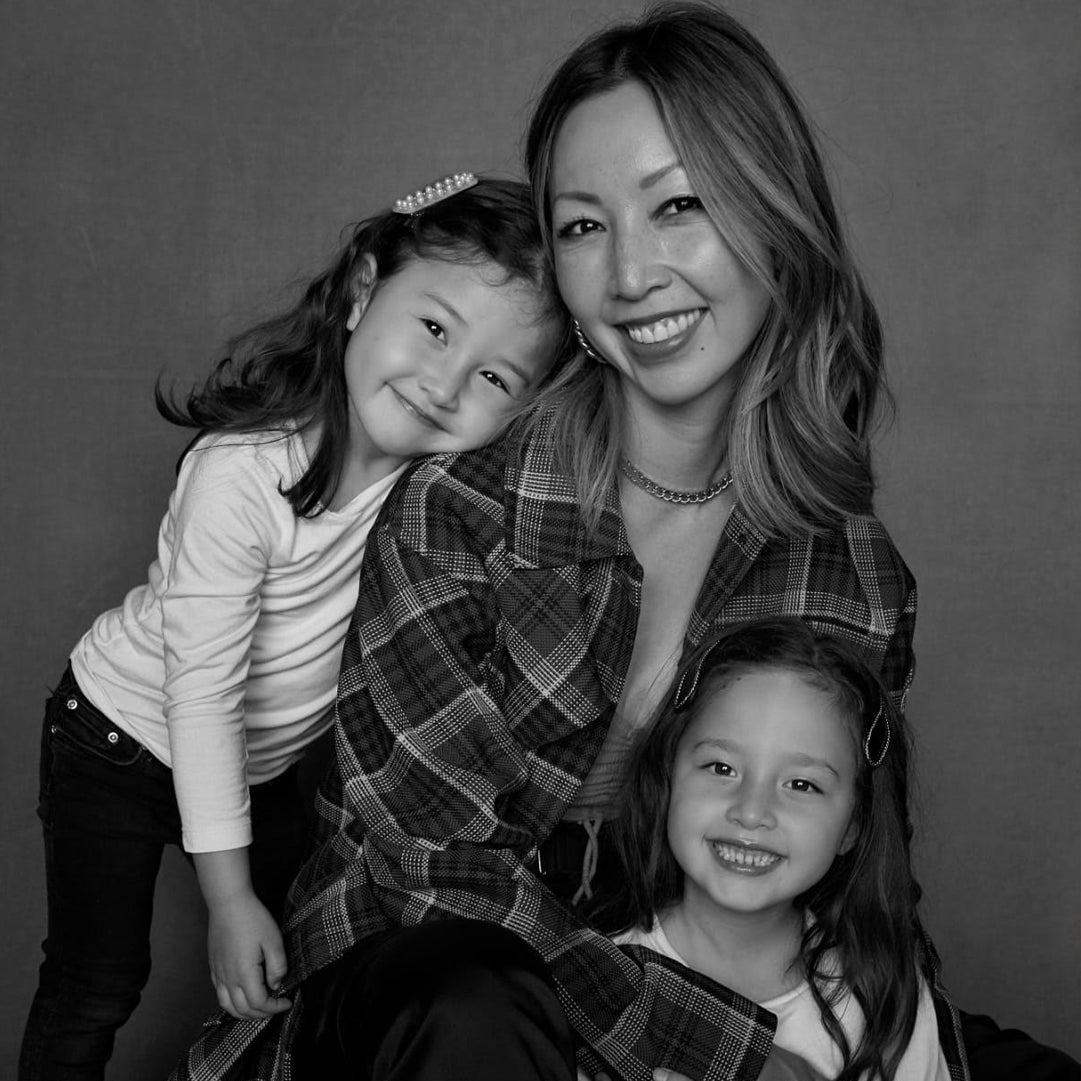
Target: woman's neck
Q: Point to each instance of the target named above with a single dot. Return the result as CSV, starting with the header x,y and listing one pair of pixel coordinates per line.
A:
x,y
678,448
753,953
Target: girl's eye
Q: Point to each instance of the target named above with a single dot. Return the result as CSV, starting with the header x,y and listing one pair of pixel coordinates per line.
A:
x,y
720,769
575,228
681,204
434,329
496,381
801,784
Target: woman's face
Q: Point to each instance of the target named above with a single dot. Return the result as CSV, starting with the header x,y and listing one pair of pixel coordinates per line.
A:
x,y
641,266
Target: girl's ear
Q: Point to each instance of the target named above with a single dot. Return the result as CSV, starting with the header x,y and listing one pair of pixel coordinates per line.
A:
x,y
363,287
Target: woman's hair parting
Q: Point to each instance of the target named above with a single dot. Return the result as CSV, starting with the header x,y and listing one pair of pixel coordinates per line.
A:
x,y
800,423
864,909
290,369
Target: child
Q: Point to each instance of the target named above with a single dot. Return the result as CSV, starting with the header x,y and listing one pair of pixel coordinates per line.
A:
x,y
428,333
765,839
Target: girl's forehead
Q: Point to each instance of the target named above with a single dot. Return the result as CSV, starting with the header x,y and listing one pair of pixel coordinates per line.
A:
x,y
771,707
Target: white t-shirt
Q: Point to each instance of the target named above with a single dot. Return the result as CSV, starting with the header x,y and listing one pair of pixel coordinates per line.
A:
x,y
800,1028
224,665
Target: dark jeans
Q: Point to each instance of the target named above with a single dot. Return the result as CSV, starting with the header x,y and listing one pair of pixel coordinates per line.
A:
x,y
108,809
452,1000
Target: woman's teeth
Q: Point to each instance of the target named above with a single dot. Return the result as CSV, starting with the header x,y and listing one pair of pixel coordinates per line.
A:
x,y
745,857
663,329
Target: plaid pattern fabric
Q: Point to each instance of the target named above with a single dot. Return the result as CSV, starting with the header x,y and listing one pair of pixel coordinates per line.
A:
x,y
483,664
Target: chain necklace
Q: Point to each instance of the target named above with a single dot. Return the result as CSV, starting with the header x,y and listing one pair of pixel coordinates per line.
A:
x,y
672,495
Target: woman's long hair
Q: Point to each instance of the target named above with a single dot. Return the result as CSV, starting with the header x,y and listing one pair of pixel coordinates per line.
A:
x,y
864,908
799,426
289,370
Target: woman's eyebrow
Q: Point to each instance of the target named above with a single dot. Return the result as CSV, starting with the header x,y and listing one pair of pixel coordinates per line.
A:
x,y
578,197
659,174
646,182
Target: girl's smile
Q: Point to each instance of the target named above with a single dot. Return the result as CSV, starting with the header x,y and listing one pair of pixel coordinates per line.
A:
x,y
744,859
416,411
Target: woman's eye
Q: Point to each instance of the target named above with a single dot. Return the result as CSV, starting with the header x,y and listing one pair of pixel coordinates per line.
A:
x,y
578,227
496,381
681,204
434,329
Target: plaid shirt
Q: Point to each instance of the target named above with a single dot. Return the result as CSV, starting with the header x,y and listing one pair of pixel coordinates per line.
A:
x,y
482,667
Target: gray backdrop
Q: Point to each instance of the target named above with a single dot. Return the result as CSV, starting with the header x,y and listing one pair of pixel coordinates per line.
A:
x,y
168,169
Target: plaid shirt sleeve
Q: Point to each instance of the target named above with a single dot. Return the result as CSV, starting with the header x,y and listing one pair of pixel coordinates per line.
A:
x,y
463,723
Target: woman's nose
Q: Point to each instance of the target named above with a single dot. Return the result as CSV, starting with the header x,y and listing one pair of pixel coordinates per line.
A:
x,y
636,263
752,806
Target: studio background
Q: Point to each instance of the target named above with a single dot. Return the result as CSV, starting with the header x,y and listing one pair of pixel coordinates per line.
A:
x,y
170,168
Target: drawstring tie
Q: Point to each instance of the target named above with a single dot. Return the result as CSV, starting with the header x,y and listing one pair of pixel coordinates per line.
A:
x,y
592,826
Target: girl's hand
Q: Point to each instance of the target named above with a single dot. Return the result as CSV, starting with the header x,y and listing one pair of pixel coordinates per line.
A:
x,y
247,957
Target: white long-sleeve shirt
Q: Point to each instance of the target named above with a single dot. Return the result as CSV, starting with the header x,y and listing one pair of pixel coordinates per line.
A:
x,y
800,1028
224,665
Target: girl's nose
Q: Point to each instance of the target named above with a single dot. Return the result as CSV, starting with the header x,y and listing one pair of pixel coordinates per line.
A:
x,y
441,388
752,807
636,263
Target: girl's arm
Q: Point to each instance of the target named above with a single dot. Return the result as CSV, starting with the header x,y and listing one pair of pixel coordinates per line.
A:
x,y
459,753
244,945
221,531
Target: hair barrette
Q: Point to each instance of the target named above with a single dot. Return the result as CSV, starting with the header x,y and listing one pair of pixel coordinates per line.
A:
x,y
878,733
434,193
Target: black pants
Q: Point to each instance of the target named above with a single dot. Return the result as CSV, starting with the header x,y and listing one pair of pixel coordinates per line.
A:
x,y
108,809
996,1054
462,999
453,1000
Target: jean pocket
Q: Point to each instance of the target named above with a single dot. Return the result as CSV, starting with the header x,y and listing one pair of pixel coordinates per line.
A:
x,y
76,725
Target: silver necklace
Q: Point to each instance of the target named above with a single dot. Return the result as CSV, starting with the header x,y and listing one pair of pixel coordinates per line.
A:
x,y
672,495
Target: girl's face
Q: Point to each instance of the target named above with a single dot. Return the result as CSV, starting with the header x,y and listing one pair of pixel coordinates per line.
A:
x,y
763,791
642,267
440,356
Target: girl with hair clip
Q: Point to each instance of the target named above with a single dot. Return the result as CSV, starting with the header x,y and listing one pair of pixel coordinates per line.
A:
x,y
765,842
705,460
183,714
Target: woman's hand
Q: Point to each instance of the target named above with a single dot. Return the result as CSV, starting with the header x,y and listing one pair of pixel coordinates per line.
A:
x,y
244,945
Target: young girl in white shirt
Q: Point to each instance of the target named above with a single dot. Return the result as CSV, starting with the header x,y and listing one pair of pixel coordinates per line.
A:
x,y
184,712
765,842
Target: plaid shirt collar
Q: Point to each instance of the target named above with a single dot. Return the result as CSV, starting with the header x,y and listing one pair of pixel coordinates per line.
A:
x,y
544,526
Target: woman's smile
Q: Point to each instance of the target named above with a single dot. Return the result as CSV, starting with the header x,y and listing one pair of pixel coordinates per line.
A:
x,y
666,328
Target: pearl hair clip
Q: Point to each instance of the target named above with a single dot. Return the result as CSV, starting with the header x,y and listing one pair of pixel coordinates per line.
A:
x,y
434,193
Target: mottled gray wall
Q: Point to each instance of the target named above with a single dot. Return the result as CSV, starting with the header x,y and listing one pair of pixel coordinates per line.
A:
x,y
167,169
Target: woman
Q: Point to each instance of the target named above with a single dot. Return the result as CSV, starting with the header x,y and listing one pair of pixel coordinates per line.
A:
x,y
523,609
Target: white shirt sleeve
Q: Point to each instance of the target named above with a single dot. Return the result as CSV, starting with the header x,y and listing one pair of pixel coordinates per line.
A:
x,y
224,525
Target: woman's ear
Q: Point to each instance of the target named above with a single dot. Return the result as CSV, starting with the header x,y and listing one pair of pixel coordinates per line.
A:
x,y
363,287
